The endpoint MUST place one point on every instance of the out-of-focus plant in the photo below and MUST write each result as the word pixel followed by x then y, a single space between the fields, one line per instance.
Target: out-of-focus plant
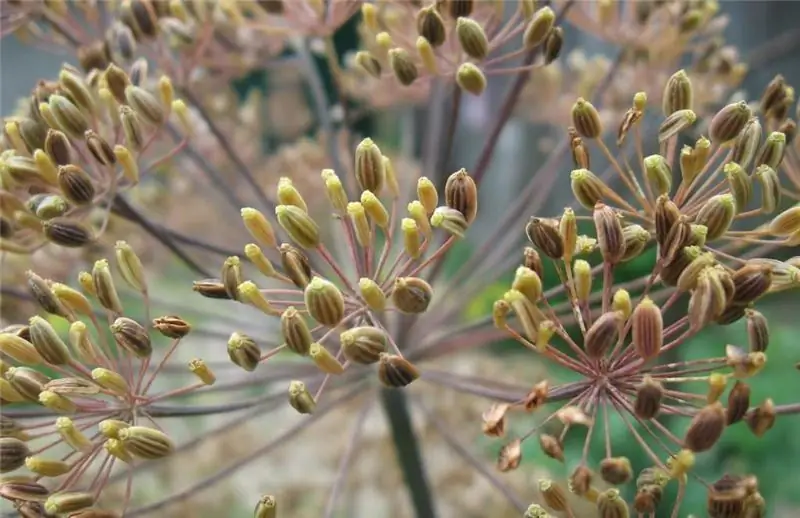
pixel 147 142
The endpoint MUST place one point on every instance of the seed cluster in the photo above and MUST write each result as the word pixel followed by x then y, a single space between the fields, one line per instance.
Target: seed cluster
pixel 617 338
pixel 97 377
pixel 369 282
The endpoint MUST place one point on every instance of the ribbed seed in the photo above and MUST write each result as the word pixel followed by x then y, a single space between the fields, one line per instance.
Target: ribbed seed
pixel 616 470
pixel 403 66
pixel 295 331
pixel 47 342
pixel 461 194
pixel 267 506
pixel 738 403
pixel 43 295
pixel 744 149
pixel 243 351
pixel 705 428
pixel 751 281
pixel 587 188
pixel 729 122
pixel 611 505
pixel 146 443
pixel 449 220
pixel 609 233
pixel 132 336
pixel 411 295
pixel 395 371
pixel 296 265
pixel 757 331
pixel 717 215
pixel 586 119
pixel 300 398
pixel 364 344
pixel 472 38
pixel 12 454
pixel 545 236
pixel 602 334
pixel 678 94
pixel 554 496
pixel 762 418
pixel 27 382
pixel 67 233
pixel 647 329
pixel 68 502
pixel 648 398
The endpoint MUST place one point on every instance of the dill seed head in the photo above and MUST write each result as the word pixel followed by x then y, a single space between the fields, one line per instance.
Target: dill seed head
pixel 363 344
pixel 395 371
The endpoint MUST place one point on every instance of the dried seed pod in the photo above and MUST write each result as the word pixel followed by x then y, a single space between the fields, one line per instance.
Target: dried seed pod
pixel 146 443
pixel 295 331
pixel 300 398
pixel 66 232
pixel 510 456
pixel 648 328
pixel 586 119
pixel 762 418
pixel 539 27
pixel 772 151
pixel 717 215
pixel 12 454
pixel 494 420
pixel 65 503
pixel 616 470
pixel 43 295
pixel 603 334
pixel 678 94
pixel 430 25
pixel 545 236
pixel 774 96
pixel 751 281
pixel 609 233
pixel 551 447
pixel 532 260
pixel 58 148
pixel 172 326
pixel 674 124
pixel 757 330
pixel 738 403
pixel 210 288
pixel 395 371
pixel 243 351
pixel 411 294
pixel 461 194
pixel 132 336
pixel 648 398
pixel 296 265
pixel 705 428
pixel 580 481
pixel 48 344
pixel 403 66
pixel 105 290
pixel 554 496
pixel 267 506
pixel 364 344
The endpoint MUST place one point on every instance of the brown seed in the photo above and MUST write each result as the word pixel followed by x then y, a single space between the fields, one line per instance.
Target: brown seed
pixel 732 313
pixel 101 150
pixel 611 505
pixel 295 264
pixel 757 330
pixel 494 420
pixel 210 288
pixel 553 44
pixel 610 238
pixel 727 503
pixel 27 382
pixel 603 334
pixel 751 281
pixel 460 8
pixel 532 260
pixel 648 398
pixel 587 188
pixel 729 122
pixel 510 456
pixel 461 194
pixel 12 454
pixel 647 328
pixel 545 236
pixel 430 26
pixel 172 326
pixel 23 489
pixel 132 336
pixel 551 447
pixel 43 295
pixel 762 418
pixel 772 100
pixel 76 184
pixel 666 216
pixel 616 470
pixel 403 67
pixel 738 402
pixel 554 496
pixel 67 233
pixel 581 480
pixel 705 428
pixel 395 371
pixel 746 145
pixel 647 498
pixel 58 147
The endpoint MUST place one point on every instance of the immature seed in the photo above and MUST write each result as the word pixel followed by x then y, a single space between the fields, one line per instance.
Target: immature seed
pixel 395 371
pixel 364 344
pixel 324 301
pixel 146 443
pixel 295 331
